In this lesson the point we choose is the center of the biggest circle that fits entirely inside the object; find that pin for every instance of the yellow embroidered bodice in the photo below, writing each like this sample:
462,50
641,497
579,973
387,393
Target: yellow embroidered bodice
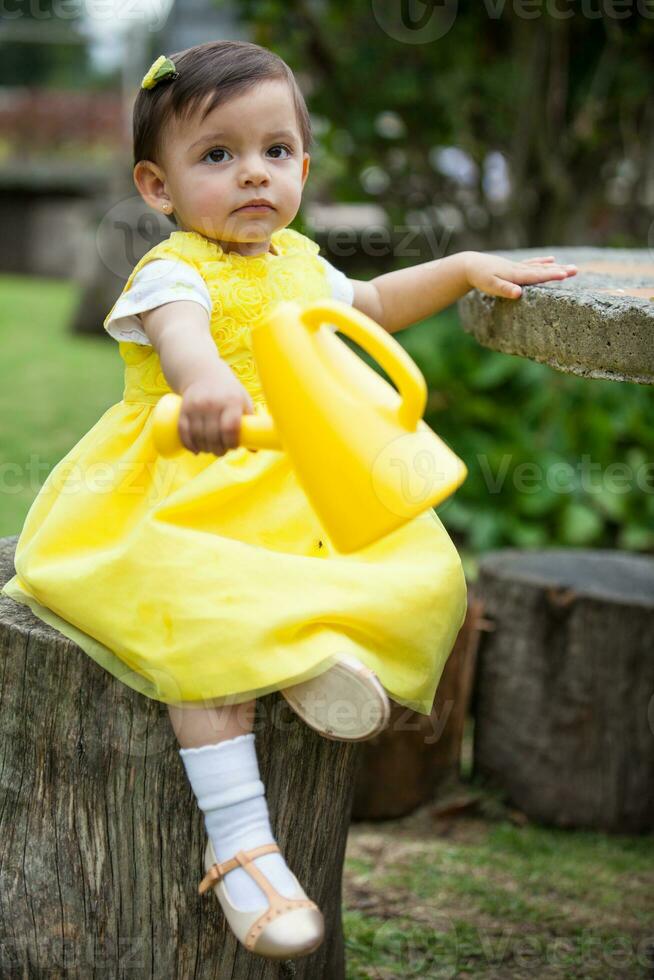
242,290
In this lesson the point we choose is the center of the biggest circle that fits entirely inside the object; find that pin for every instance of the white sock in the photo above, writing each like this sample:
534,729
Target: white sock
225,779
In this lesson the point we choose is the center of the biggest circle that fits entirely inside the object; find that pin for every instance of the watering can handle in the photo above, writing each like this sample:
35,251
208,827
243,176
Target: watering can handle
257,431
387,352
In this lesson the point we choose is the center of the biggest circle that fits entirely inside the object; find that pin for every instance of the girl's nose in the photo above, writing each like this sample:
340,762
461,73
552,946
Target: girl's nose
254,172
256,178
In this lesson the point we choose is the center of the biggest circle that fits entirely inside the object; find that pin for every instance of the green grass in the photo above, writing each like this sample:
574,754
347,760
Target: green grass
54,386
487,894
481,896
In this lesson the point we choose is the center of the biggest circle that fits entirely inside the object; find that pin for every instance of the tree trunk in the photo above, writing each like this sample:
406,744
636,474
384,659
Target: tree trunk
563,698
102,841
417,755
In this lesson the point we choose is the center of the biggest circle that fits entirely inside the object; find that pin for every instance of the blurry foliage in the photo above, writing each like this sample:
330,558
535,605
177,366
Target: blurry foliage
43,62
565,101
552,459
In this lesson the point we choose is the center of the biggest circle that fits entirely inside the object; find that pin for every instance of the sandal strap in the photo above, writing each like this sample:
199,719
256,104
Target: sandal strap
242,859
277,903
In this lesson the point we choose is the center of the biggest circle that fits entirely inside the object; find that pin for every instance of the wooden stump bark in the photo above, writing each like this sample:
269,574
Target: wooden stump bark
101,837
564,692
417,755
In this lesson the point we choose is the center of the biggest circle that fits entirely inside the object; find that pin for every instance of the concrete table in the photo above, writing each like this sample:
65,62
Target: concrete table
598,324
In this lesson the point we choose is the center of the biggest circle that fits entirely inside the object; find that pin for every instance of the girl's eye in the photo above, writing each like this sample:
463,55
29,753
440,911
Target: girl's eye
214,154
216,149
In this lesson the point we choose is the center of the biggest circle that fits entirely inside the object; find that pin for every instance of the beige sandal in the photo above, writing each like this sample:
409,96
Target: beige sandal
347,702
285,928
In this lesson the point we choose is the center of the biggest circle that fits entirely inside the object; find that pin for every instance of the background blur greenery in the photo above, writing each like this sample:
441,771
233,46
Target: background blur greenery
528,434
564,99
65,64
53,386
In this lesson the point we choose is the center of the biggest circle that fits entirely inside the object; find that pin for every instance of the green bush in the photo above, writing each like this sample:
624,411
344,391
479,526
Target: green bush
552,459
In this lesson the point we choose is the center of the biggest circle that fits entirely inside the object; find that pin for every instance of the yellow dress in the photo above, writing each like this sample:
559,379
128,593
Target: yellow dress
209,578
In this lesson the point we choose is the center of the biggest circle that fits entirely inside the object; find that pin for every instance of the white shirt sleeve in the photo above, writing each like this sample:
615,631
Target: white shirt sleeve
341,286
160,281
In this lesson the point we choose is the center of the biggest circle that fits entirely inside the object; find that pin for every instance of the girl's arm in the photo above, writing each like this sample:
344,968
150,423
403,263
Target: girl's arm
398,299
213,399
179,332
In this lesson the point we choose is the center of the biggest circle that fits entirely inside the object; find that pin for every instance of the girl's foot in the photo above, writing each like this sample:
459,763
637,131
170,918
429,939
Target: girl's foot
262,899
346,702
285,928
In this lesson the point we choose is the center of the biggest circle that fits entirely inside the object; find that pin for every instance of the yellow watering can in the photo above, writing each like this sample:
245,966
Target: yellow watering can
366,460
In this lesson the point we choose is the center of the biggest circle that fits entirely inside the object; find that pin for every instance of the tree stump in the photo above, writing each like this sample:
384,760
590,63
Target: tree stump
564,692
102,840
417,755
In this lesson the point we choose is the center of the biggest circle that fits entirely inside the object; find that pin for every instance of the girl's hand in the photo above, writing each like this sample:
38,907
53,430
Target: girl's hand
210,416
502,277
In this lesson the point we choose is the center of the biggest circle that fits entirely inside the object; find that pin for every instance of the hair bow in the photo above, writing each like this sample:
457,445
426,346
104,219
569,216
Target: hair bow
162,68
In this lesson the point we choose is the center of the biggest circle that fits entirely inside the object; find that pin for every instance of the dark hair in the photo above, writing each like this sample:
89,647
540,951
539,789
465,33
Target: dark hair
224,68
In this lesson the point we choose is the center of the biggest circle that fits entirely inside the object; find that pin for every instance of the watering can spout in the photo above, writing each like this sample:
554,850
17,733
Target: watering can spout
361,451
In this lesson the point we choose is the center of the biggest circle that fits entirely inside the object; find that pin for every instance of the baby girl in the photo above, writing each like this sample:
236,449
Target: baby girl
223,586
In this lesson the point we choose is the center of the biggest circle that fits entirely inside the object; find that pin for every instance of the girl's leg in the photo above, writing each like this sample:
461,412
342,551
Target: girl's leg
204,726
219,755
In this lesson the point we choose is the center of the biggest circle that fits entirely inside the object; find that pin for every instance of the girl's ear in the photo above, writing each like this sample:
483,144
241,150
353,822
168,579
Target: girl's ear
306,163
150,183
